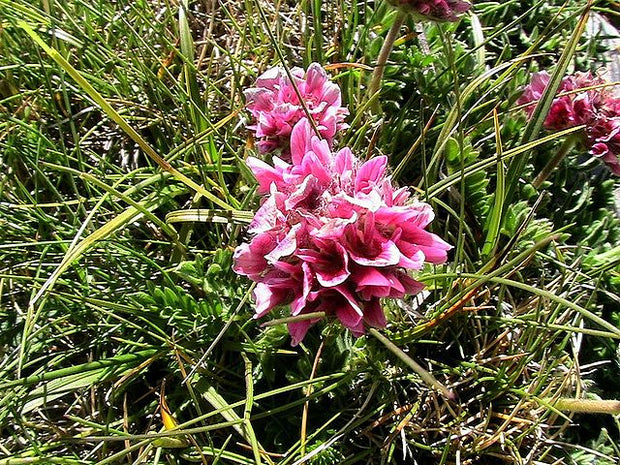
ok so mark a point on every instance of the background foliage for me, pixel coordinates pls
(119, 310)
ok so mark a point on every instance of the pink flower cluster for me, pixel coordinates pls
(435, 10)
(603, 138)
(596, 108)
(571, 107)
(333, 235)
(276, 107)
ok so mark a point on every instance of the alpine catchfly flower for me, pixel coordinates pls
(571, 107)
(435, 10)
(603, 138)
(333, 235)
(276, 107)
(582, 99)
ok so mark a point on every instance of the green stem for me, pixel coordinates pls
(611, 407)
(566, 147)
(125, 360)
(293, 319)
(425, 375)
(386, 49)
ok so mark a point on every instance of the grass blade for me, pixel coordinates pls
(537, 119)
(118, 119)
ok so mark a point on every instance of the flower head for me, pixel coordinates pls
(577, 104)
(571, 109)
(276, 107)
(435, 10)
(603, 137)
(333, 235)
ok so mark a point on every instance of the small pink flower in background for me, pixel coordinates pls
(276, 108)
(435, 10)
(611, 107)
(568, 110)
(333, 235)
(597, 109)
(603, 136)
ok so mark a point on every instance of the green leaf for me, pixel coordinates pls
(537, 119)
(118, 119)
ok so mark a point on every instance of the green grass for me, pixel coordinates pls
(123, 193)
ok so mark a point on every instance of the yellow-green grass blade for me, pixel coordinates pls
(204, 215)
(613, 330)
(537, 119)
(118, 119)
(452, 179)
(131, 359)
(495, 215)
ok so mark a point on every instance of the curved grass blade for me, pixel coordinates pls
(495, 216)
(537, 119)
(125, 359)
(614, 331)
(203, 215)
(118, 119)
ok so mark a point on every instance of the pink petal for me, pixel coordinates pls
(349, 317)
(298, 330)
(258, 99)
(347, 310)
(265, 174)
(285, 247)
(388, 255)
(344, 163)
(371, 283)
(419, 214)
(308, 188)
(366, 276)
(336, 270)
(401, 196)
(412, 257)
(434, 248)
(268, 216)
(267, 298)
(370, 173)
(249, 259)
(409, 285)
(316, 77)
(301, 136)
(270, 78)
(312, 164)
(374, 315)
(299, 303)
